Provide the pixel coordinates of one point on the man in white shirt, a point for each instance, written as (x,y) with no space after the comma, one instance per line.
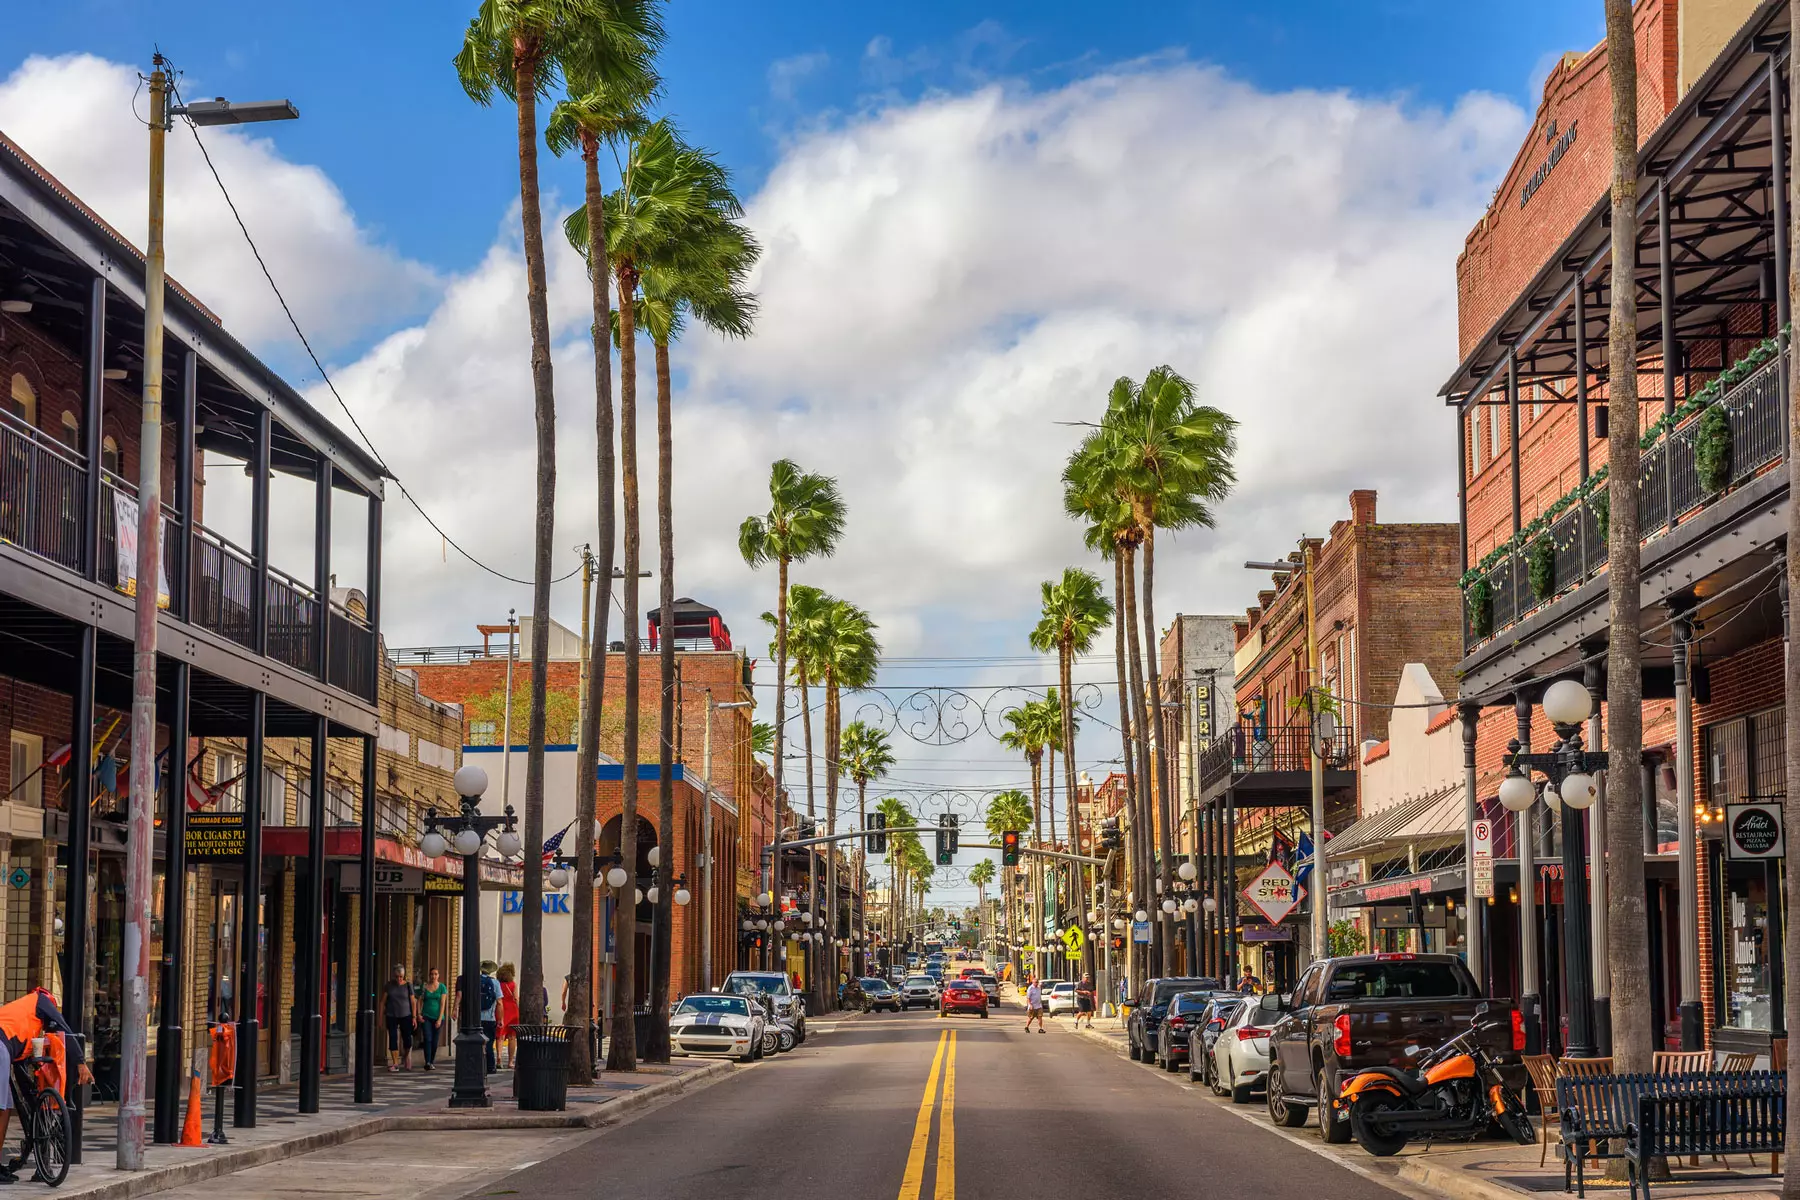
(1034,1006)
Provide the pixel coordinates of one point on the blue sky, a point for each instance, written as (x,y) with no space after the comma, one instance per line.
(427,170)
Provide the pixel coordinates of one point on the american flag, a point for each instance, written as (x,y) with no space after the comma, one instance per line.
(553,843)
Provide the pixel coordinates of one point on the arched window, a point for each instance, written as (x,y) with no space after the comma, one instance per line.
(71,431)
(109,454)
(22,402)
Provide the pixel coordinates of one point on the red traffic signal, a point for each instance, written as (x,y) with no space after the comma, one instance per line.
(1009,848)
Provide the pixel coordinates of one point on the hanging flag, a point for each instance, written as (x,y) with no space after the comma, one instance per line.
(200,796)
(1279,848)
(1303,858)
(553,843)
(107,773)
(62,755)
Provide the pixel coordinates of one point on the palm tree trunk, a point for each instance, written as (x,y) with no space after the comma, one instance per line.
(1627,917)
(581,940)
(781,614)
(1121,607)
(862,873)
(1791,1190)
(806,730)
(1165,799)
(1065,676)
(1142,819)
(621,1054)
(828,949)
(543,391)
(662,918)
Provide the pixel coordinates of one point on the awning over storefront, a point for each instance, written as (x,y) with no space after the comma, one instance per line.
(345,843)
(1387,891)
(1433,814)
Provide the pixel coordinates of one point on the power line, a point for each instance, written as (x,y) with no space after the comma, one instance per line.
(324,375)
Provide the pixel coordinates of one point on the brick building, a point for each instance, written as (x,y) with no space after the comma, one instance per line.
(1384,595)
(1531,401)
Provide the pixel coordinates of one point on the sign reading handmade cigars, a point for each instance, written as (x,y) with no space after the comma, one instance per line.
(213,836)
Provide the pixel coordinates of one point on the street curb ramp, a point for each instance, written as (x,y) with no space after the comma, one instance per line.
(230,1162)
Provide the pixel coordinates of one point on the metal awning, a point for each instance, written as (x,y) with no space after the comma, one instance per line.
(1432,814)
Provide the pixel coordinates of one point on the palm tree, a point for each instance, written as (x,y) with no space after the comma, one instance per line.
(981,874)
(808,610)
(598,111)
(519,49)
(851,657)
(1075,610)
(674,224)
(805,520)
(1009,812)
(864,756)
(762,739)
(1627,918)
(899,820)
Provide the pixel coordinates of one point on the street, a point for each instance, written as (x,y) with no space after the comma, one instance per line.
(854,1113)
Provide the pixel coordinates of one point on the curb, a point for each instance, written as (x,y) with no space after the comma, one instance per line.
(231,1162)
(1459,1185)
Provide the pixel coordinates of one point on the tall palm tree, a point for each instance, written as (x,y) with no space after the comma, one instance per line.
(1627,915)
(762,739)
(899,820)
(520,49)
(1074,611)
(1029,736)
(850,656)
(674,222)
(808,611)
(805,520)
(864,756)
(1009,812)
(598,111)
(981,874)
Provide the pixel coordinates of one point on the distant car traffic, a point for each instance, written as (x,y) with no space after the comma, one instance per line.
(920,991)
(709,1023)
(881,994)
(990,985)
(1060,998)
(963,995)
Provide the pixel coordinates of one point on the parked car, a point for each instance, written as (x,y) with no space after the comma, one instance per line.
(963,995)
(1203,1032)
(789,1005)
(919,990)
(1373,1010)
(1179,1022)
(708,1023)
(881,994)
(1241,1051)
(1148,1007)
(1060,999)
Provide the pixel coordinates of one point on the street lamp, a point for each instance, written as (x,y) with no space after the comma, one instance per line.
(1569,771)
(468,827)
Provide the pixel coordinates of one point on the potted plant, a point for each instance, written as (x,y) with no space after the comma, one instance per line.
(1480,601)
(1712,450)
(1540,564)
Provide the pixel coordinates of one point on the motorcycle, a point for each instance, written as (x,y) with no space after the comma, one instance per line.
(1454,1093)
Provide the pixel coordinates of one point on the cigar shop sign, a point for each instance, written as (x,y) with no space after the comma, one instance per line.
(1753,831)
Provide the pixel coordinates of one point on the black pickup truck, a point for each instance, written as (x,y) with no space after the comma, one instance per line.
(1369,1010)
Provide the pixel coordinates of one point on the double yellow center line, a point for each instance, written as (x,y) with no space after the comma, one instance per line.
(943,1065)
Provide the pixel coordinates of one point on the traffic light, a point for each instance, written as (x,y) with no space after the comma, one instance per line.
(1110,836)
(875,837)
(1009,848)
(954,834)
(946,840)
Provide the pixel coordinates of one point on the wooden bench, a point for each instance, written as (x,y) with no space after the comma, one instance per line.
(1722,1114)
(1596,1111)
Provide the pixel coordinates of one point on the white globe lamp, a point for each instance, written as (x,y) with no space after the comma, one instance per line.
(433,845)
(559,877)
(655,855)
(1552,797)
(1580,790)
(682,895)
(470,780)
(616,877)
(1187,871)
(1210,904)
(637,895)
(1142,915)
(763,900)
(1516,793)
(1190,904)
(1169,906)
(509,843)
(654,894)
(467,841)
(1566,702)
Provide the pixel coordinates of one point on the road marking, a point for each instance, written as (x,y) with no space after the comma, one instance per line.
(914,1177)
(946,1162)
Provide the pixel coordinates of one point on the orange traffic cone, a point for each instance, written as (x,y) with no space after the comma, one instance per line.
(190,1128)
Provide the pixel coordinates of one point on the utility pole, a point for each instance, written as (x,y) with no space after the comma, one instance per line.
(1315,736)
(587,591)
(136,981)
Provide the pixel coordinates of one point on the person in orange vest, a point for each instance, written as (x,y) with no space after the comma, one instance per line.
(31,1015)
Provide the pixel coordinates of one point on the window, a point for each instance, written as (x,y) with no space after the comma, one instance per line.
(109,455)
(70,431)
(274,798)
(26,783)
(1494,434)
(22,400)
(229,767)
(483,733)
(1396,980)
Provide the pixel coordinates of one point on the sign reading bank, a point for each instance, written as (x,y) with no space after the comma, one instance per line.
(554,903)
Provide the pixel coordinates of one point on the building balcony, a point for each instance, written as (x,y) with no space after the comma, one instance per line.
(1272,761)
(1685,475)
(43,502)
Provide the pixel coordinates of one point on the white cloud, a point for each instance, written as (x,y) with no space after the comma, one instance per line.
(83,119)
(787,74)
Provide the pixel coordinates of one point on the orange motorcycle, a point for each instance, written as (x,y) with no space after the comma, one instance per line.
(1454,1094)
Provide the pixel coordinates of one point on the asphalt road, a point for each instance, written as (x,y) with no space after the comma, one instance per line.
(918,1108)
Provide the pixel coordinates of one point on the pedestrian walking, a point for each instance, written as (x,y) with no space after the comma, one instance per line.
(431,1014)
(508,1030)
(1084,1001)
(487,994)
(1034,1006)
(401,1007)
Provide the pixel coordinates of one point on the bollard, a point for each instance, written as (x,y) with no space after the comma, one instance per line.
(222,1067)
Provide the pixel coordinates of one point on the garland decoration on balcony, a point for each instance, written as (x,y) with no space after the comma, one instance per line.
(1712,450)
(1480,601)
(1540,561)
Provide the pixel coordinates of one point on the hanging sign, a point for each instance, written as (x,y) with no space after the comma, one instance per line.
(1481,877)
(391,879)
(1273,893)
(1140,932)
(214,836)
(1753,831)
(125,540)
(442,885)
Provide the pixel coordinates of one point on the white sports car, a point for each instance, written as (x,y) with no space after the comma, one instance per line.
(715,1024)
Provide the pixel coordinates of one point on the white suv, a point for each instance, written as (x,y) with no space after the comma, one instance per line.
(919,989)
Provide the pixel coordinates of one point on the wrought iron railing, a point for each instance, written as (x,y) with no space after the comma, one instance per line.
(1247,748)
(293,617)
(1671,489)
(222,585)
(351,654)
(43,491)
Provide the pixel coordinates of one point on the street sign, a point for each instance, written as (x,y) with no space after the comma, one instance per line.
(1753,831)
(1140,932)
(1273,893)
(1482,875)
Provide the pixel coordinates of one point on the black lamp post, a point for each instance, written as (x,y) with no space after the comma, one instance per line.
(1572,786)
(466,830)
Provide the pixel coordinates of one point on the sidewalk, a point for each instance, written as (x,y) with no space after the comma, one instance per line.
(1486,1170)
(409,1100)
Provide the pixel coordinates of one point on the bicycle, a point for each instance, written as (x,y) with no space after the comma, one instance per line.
(45,1138)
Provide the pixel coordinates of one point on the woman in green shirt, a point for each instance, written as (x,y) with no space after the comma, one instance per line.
(431,1010)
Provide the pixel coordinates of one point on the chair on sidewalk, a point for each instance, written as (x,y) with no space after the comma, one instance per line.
(1737,1064)
(1680,1062)
(1584,1068)
(1543,1081)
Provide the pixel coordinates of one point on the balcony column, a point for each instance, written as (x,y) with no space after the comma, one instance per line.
(1229,904)
(76,924)
(1526,838)
(259,535)
(1474,910)
(1518,517)
(310,921)
(372,599)
(1692,1031)
(1778,216)
(171,1060)
(249,1018)
(186,420)
(1581,383)
(93,403)
(1666,286)
(322,571)
(367,972)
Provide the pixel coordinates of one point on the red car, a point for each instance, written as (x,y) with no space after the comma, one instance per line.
(963,995)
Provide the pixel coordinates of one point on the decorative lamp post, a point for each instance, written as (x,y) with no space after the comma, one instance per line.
(466,830)
(1571,787)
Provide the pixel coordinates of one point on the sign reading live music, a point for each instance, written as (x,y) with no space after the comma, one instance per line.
(214,836)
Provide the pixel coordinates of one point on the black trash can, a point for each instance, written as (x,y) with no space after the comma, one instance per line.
(641,1022)
(541,1071)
